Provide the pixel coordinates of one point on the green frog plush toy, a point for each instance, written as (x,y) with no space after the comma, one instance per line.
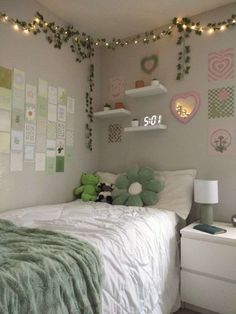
(88,189)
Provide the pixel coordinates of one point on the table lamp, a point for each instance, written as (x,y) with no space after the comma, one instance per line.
(206,193)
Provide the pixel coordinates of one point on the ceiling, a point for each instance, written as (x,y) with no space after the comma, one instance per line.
(123,18)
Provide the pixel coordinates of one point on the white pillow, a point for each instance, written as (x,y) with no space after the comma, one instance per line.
(178,191)
(107,177)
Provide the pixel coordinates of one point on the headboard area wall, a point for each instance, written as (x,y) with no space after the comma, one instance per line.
(26,178)
(208,141)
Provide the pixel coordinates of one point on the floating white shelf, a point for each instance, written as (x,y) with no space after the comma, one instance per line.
(114,113)
(145,128)
(146,91)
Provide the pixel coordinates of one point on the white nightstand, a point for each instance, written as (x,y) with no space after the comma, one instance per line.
(208,269)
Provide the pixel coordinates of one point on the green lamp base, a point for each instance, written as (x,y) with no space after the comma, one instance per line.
(206,214)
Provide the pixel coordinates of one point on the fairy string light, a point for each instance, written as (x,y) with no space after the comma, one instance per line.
(83,45)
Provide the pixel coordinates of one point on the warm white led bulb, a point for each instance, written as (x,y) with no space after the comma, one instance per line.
(16,27)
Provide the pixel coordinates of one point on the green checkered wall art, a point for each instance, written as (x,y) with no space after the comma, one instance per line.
(221,102)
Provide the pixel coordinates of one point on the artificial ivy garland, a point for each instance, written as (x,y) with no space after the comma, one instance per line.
(89,109)
(83,45)
(185,27)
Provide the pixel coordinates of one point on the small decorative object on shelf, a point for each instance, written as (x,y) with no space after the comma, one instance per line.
(107,107)
(139,84)
(152,120)
(155,82)
(119,105)
(135,122)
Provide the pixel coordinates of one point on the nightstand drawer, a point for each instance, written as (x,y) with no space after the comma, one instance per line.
(209,293)
(209,258)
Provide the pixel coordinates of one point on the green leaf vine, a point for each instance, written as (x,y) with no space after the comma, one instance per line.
(83,45)
(184,28)
(183,66)
(89,108)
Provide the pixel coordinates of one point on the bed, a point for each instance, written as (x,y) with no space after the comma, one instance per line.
(139,248)
(138,245)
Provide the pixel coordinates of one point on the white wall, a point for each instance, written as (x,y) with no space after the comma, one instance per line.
(38,59)
(181,146)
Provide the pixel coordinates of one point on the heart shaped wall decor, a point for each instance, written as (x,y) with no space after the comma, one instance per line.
(149,64)
(221,65)
(184,106)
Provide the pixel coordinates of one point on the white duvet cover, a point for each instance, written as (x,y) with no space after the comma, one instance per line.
(139,248)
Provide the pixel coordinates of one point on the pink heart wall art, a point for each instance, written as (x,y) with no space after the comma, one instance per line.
(221,65)
(184,106)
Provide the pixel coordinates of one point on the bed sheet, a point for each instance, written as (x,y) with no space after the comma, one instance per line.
(138,247)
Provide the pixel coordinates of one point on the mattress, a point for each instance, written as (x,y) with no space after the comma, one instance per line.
(138,247)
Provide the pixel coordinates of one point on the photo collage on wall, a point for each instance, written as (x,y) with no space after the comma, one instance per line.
(221,134)
(36,123)
(5,109)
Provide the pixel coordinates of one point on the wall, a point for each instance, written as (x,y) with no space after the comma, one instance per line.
(180,146)
(40,60)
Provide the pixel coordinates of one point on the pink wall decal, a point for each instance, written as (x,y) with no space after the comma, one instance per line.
(116,88)
(220,141)
(221,65)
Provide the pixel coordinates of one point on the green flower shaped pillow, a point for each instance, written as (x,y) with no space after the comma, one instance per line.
(138,187)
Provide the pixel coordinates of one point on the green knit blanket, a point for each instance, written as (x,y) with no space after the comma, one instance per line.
(44,272)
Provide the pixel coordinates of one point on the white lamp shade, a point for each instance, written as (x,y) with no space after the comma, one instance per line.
(206,191)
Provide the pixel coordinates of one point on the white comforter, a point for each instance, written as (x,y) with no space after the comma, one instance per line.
(139,248)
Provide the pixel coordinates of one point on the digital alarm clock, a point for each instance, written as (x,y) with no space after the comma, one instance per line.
(152,120)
